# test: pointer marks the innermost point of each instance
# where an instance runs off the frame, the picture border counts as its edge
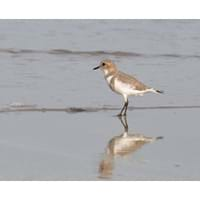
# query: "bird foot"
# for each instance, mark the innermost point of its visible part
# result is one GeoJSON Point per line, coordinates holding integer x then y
{"type": "Point", "coordinates": [120, 115]}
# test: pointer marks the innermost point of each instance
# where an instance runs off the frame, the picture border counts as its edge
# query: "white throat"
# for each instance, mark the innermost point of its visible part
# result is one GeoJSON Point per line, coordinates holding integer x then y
{"type": "Point", "coordinates": [105, 72]}
{"type": "Point", "coordinates": [108, 78]}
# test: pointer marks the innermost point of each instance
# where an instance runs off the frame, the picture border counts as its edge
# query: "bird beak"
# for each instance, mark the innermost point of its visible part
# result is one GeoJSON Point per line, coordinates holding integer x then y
{"type": "Point", "coordinates": [95, 68]}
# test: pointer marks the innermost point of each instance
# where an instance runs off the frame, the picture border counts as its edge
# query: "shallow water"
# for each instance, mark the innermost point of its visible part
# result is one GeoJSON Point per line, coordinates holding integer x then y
{"type": "Point", "coordinates": [57, 115]}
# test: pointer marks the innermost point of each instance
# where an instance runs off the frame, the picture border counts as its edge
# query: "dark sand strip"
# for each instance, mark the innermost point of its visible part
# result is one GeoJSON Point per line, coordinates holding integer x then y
{"type": "Point", "coordinates": [91, 109]}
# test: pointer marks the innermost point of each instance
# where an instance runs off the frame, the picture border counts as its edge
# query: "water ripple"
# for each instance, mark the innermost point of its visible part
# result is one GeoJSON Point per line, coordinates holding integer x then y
{"type": "Point", "coordinates": [94, 53]}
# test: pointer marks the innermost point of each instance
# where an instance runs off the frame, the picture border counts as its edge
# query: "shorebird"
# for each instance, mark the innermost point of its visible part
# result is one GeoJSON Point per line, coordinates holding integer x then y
{"type": "Point", "coordinates": [123, 84]}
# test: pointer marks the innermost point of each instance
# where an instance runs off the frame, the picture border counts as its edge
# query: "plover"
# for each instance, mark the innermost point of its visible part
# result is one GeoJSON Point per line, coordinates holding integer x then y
{"type": "Point", "coordinates": [123, 83]}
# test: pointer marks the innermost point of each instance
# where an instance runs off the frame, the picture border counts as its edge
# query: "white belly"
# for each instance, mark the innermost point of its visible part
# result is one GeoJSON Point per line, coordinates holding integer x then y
{"type": "Point", "coordinates": [127, 89]}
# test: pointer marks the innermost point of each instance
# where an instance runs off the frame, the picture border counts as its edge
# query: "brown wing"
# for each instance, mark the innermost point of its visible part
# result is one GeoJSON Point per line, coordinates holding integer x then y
{"type": "Point", "coordinates": [133, 81]}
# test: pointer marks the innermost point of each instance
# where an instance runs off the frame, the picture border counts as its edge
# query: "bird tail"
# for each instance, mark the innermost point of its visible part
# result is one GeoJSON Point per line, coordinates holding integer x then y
{"type": "Point", "coordinates": [160, 91]}
{"type": "Point", "coordinates": [156, 91]}
{"type": "Point", "coordinates": [159, 138]}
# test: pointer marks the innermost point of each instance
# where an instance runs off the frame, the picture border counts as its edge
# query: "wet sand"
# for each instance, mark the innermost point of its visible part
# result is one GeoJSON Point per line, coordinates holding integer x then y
{"type": "Point", "coordinates": [63, 146]}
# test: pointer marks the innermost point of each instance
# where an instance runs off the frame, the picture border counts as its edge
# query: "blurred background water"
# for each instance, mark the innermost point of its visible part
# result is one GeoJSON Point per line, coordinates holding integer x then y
{"type": "Point", "coordinates": [48, 63]}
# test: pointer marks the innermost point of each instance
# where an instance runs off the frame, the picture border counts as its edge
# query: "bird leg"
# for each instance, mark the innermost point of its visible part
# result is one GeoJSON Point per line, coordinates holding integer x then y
{"type": "Point", "coordinates": [124, 108]}
{"type": "Point", "coordinates": [120, 114]}
{"type": "Point", "coordinates": [126, 104]}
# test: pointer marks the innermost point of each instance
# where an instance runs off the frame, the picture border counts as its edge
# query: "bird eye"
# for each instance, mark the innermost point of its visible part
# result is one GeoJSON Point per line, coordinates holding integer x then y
{"type": "Point", "coordinates": [103, 64]}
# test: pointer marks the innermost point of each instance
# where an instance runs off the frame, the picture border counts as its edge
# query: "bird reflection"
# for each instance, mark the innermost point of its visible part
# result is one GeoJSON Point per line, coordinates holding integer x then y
{"type": "Point", "coordinates": [122, 145]}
